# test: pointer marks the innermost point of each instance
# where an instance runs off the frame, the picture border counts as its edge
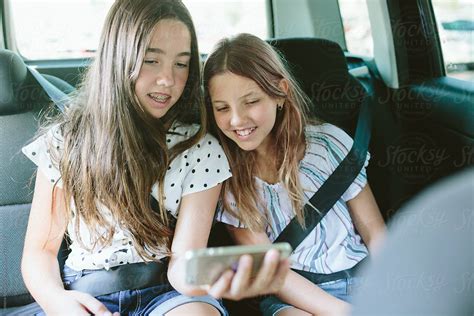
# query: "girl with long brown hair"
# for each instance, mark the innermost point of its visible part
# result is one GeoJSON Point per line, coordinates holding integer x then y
{"type": "Point", "coordinates": [279, 159]}
{"type": "Point", "coordinates": [126, 140]}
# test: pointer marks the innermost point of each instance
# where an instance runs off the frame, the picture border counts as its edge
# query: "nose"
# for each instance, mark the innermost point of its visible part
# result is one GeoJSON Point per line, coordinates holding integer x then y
{"type": "Point", "coordinates": [165, 76]}
{"type": "Point", "coordinates": [238, 117]}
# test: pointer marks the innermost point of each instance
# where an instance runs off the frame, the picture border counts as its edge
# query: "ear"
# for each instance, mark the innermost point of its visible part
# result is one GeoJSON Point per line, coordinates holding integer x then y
{"type": "Point", "coordinates": [283, 84]}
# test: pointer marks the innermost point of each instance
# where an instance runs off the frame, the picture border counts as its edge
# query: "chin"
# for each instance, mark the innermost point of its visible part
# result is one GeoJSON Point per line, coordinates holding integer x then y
{"type": "Point", "coordinates": [246, 147]}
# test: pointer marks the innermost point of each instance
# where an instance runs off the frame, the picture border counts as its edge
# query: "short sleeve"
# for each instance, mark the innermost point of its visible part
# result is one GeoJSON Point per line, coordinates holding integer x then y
{"type": "Point", "coordinates": [39, 152]}
{"type": "Point", "coordinates": [207, 166]}
{"type": "Point", "coordinates": [224, 216]}
{"type": "Point", "coordinates": [338, 146]}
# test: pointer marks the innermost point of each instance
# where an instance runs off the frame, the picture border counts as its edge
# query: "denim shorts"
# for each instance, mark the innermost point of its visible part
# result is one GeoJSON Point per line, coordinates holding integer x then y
{"type": "Point", "coordinates": [342, 289]}
{"type": "Point", "coordinates": [156, 300]}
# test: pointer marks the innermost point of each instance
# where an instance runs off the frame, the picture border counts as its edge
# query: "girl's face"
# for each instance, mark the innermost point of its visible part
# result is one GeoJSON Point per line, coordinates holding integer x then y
{"type": "Point", "coordinates": [243, 112]}
{"type": "Point", "coordinates": [165, 69]}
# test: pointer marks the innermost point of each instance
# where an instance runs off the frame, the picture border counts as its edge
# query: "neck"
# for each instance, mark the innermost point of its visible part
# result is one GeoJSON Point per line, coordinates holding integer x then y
{"type": "Point", "coordinates": [267, 165]}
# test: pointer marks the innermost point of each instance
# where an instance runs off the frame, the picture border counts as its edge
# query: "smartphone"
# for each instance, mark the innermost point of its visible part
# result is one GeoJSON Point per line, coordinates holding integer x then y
{"type": "Point", "coordinates": [205, 266]}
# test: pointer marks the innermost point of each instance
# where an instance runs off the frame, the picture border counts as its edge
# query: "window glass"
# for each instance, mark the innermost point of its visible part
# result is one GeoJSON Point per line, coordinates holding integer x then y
{"type": "Point", "coordinates": [355, 18]}
{"type": "Point", "coordinates": [52, 29]}
{"type": "Point", "coordinates": [57, 29]}
{"type": "Point", "coordinates": [455, 19]}
{"type": "Point", "coordinates": [215, 19]}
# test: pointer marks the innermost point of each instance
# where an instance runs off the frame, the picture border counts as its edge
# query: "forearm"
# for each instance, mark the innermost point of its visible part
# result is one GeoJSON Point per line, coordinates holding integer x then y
{"type": "Point", "coordinates": [177, 275]}
{"type": "Point", "coordinates": [309, 297]}
{"type": "Point", "coordinates": [40, 271]}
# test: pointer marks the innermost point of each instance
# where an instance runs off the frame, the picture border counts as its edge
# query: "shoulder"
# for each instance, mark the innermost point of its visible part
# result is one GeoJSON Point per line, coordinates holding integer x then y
{"type": "Point", "coordinates": [208, 148]}
{"type": "Point", "coordinates": [45, 152]}
{"type": "Point", "coordinates": [330, 136]}
{"type": "Point", "coordinates": [49, 138]}
{"type": "Point", "coordinates": [184, 129]}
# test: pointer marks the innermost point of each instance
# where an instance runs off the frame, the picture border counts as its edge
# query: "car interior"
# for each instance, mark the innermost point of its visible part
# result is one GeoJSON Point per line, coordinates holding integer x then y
{"type": "Point", "coordinates": [422, 129]}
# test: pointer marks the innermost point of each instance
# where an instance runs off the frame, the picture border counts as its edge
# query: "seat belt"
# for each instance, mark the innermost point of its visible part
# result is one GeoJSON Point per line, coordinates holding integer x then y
{"type": "Point", "coordinates": [337, 183]}
{"type": "Point", "coordinates": [57, 96]}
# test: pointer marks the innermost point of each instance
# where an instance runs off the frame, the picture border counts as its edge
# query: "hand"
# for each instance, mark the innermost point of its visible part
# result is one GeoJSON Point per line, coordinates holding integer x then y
{"type": "Point", "coordinates": [270, 278]}
{"type": "Point", "coordinates": [78, 303]}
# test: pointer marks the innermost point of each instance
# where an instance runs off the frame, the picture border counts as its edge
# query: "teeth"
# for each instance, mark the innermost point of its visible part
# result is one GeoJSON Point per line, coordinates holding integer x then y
{"type": "Point", "coordinates": [159, 98]}
{"type": "Point", "coordinates": [245, 132]}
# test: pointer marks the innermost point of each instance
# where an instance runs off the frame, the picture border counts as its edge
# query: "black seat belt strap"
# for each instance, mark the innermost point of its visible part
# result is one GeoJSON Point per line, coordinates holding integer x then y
{"type": "Point", "coordinates": [337, 183]}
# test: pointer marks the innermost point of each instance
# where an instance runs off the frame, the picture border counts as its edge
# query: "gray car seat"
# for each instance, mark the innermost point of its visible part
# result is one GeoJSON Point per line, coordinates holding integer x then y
{"type": "Point", "coordinates": [427, 264]}
{"type": "Point", "coordinates": [21, 102]}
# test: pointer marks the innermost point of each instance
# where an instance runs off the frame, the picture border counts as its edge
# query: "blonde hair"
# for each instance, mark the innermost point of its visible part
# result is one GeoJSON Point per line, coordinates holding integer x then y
{"type": "Point", "coordinates": [114, 151]}
{"type": "Point", "coordinates": [248, 56]}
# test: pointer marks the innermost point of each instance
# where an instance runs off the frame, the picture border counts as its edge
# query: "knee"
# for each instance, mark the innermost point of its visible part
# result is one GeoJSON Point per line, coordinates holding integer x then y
{"type": "Point", "coordinates": [194, 308]}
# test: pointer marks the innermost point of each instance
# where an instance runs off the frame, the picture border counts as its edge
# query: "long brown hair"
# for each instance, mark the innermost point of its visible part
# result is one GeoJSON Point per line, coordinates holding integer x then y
{"type": "Point", "coordinates": [114, 151]}
{"type": "Point", "coordinates": [248, 56]}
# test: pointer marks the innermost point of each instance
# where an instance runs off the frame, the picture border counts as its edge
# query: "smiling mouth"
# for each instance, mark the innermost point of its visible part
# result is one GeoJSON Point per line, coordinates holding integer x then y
{"type": "Point", "coordinates": [245, 132]}
{"type": "Point", "coordinates": [158, 97]}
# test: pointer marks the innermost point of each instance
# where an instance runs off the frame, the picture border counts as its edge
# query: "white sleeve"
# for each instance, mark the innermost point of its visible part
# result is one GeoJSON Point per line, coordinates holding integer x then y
{"type": "Point", "coordinates": [39, 151]}
{"type": "Point", "coordinates": [208, 166]}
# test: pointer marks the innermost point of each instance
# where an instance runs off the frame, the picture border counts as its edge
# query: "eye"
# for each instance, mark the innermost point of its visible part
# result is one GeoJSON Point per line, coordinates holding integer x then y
{"type": "Point", "coordinates": [221, 108]}
{"type": "Point", "coordinates": [182, 65]}
{"type": "Point", "coordinates": [253, 101]}
{"type": "Point", "coordinates": [150, 61]}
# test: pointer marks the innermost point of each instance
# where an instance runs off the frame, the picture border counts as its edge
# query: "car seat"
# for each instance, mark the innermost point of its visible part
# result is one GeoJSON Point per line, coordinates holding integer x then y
{"type": "Point", "coordinates": [21, 103]}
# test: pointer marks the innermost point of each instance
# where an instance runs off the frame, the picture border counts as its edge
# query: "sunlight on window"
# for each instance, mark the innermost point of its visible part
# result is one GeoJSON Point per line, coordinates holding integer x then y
{"type": "Point", "coordinates": [58, 29]}
{"type": "Point", "coordinates": [52, 29]}
{"type": "Point", "coordinates": [215, 19]}
{"type": "Point", "coordinates": [455, 19]}
{"type": "Point", "coordinates": [355, 18]}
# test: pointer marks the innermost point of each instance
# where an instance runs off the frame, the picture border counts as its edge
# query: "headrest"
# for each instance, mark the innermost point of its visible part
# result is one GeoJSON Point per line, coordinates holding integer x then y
{"type": "Point", "coordinates": [313, 59]}
{"type": "Point", "coordinates": [13, 73]}
{"type": "Point", "coordinates": [320, 67]}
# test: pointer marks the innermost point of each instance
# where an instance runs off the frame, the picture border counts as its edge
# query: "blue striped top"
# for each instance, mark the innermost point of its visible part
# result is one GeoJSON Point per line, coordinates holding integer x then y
{"type": "Point", "coordinates": [334, 245]}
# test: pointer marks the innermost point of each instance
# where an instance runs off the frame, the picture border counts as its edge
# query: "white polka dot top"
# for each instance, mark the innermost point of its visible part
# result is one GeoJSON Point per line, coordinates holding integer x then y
{"type": "Point", "coordinates": [198, 168]}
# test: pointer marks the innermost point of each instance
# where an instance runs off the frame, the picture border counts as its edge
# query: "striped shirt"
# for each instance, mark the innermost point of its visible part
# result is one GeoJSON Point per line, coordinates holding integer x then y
{"type": "Point", "coordinates": [333, 245]}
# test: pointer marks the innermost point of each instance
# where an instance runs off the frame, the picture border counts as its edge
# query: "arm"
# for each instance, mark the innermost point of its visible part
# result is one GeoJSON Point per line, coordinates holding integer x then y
{"type": "Point", "coordinates": [196, 214]}
{"type": "Point", "coordinates": [309, 297]}
{"type": "Point", "coordinates": [39, 264]}
{"type": "Point", "coordinates": [367, 218]}
{"type": "Point", "coordinates": [200, 208]}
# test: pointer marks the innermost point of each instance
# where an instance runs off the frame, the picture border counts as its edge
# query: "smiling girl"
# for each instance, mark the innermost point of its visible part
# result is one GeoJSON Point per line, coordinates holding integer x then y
{"type": "Point", "coordinates": [125, 140]}
{"type": "Point", "coordinates": [279, 159]}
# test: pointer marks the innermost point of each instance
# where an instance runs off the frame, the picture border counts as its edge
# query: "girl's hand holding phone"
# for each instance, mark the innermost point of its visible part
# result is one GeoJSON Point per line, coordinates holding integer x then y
{"type": "Point", "coordinates": [240, 284]}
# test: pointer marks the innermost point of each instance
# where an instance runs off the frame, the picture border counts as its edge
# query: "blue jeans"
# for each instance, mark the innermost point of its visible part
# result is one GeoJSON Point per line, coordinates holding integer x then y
{"type": "Point", "coordinates": [156, 300]}
{"type": "Point", "coordinates": [342, 289]}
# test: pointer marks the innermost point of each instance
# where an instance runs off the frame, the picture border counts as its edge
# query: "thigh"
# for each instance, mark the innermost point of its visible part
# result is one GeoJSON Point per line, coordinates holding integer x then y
{"type": "Point", "coordinates": [174, 303]}
{"type": "Point", "coordinates": [292, 311]}
{"type": "Point", "coordinates": [272, 305]}
{"type": "Point", "coordinates": [343, 289]}
{"type": "Point", "coordinates": [194, 308]}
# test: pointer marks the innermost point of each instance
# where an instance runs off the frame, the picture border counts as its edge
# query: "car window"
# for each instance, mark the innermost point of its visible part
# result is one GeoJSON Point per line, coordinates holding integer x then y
{"type": "Point", "coordinates": [55, 29]}
{"type": "Point", "coordinates": [58, 29]}
{"type": "Point", "coordinates": [229, 17]}
{"type": "Point", "coordinates": [455, 21]}
{"type": "Point", "coordinates": [357, 31]}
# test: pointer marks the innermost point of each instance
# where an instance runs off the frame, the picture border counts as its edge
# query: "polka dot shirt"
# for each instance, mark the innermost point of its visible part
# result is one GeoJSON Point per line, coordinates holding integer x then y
{"type": "Point", "coordinates": [198, 168]}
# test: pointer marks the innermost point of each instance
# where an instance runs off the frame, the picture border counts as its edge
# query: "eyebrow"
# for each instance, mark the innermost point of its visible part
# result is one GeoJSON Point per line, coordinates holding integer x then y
{"type": "Point", "coordinates": [160, 51]}
{"type": "Point", "coordinates": [240, 98]}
